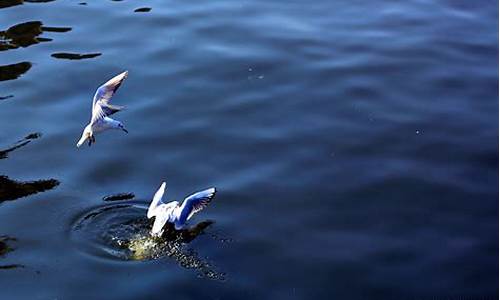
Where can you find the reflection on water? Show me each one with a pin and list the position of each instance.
(122, 231)
(9, 3)
(12, 189)
(6, 247)
(143, 9)
(10, 72)
(273, 101)
(119, 197)
(23, 142)
(26, 34)
(74, 56)
(6, 97)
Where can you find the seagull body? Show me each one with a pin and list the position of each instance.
(175, 212)
(102, 109)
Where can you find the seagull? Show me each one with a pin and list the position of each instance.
(175, 212)
(102, 109)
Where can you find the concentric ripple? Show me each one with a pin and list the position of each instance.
(121, 231)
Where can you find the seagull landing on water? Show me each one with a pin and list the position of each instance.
(102, 109)
(175, 212)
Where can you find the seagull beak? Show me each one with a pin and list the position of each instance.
(81, 141)
(126, 131)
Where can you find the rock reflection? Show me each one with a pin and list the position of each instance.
(119, 197)
(26, 34)
(143, 9)
(6, 97)
(10, 72)
(23, 142)
(9, 3)
(74, 56)
(12, 189)
(6, 247)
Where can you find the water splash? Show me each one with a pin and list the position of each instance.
(122, 232)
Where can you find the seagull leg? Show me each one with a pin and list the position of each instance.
(91, 140)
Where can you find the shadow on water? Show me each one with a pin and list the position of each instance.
(10, 72)
(122, 231)
(26, 34)
(12, 189)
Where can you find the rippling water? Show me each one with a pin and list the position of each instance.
(354, 145)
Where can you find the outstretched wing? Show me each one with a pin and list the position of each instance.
(156, 201)
(163, 214)
(196, 202)
(101, 106)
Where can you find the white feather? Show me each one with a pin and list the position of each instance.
(156, 200)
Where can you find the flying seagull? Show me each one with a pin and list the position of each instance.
(102, 109)
(175, 212)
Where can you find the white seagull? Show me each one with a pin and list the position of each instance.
(175, 212)
(102, 109)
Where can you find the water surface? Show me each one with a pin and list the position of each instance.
(354, 146)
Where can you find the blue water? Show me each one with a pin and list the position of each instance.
(354, 146)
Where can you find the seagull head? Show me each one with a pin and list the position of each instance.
(87, 134)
